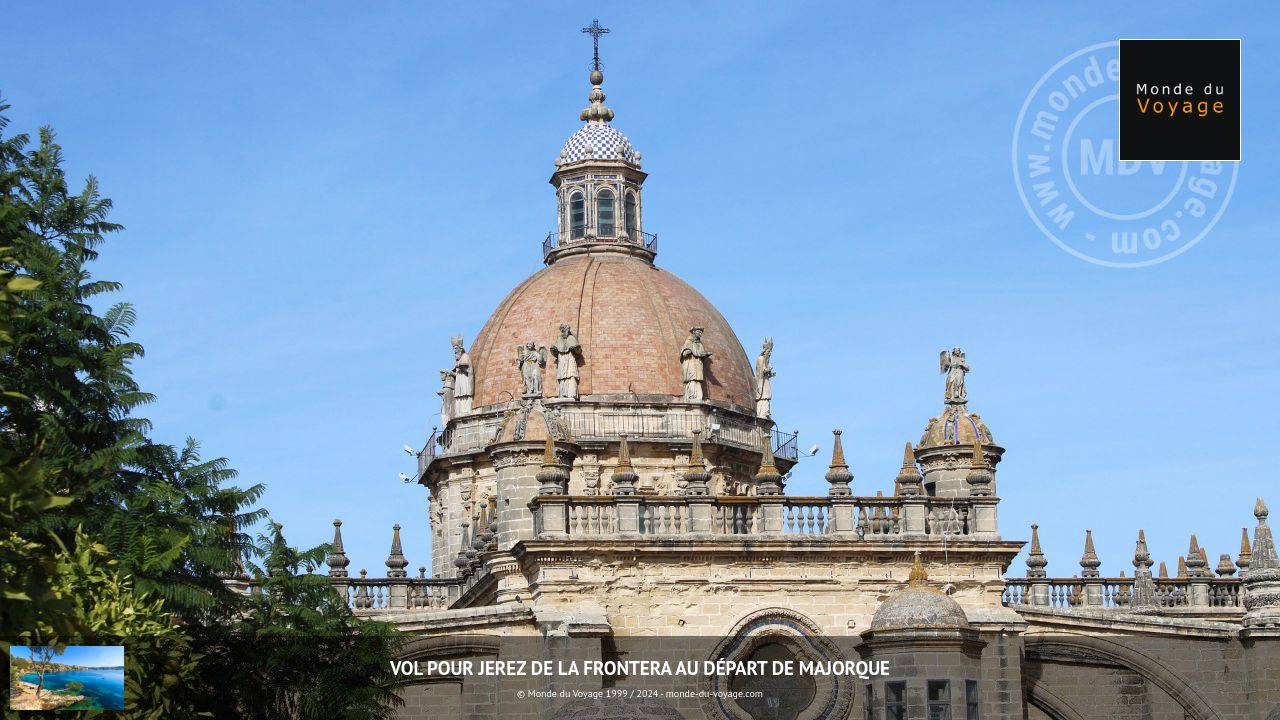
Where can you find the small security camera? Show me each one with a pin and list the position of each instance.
(410, 451)
(405, 478)
(814, 450)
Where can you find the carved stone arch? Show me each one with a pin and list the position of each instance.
(833, 694)
(1149, 667)
(422, 648)
(1049, 703)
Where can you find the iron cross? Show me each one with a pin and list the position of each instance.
(595, 31)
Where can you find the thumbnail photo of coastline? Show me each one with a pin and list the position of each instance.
(71, 677)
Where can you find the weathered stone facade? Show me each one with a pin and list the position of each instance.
(628, 520)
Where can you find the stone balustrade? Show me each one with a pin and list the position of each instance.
(862, 518)
(1117, 593)
(370, 595)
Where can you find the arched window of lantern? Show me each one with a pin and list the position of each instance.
(632, 216)
(577, 215)
(606, 214)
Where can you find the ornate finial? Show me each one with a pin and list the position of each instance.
(1036, 561)
(1182, 566)
(1089, 561)
(954, 366)
(1225, 568)
(395, 561)
(597, 111)
(768, 479)
(695, 471)
(552, 478)
(1197, 563)
(337, 560)
(909, 481)
(1264, 546)
(838, 474)
(979, 477)
(918, 577)
(1164, 570)
(1143, 596)
(1141, 557)
(624, 476)
(1246, 553)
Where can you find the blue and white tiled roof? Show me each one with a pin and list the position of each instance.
(598, 141)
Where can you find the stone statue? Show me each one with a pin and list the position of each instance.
(693, 359)
(463, 383)
(566, 350)
(764, 380)
(952, 363)
(531, 360)
(447, 379)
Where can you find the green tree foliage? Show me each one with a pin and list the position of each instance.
(106, 534)
(295, 619)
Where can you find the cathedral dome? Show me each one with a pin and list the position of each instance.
(919, 606)
(598, 141)
(631, 318)
(955, 426)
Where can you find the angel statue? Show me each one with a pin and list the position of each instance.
(764, 380)
(952, 363)
(531, 360)
(566, 350)
(463, 383)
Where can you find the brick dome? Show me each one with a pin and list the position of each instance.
(631, 319)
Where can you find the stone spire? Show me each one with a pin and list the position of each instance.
(838, 474)
(395, 560)
(1144, 589)
(337, 560)
(1196, 564)
(1036, 561)
(979, 477)
(909, 482)
(1164, 571)
(768, 479)
(1264, 547)
(918, 577)
(624, 476)
(552, 479)
(1262, 581)
(1089, 561)
(460, 561)
(1246, 553)
(695, 471)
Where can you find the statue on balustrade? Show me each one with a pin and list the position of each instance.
(565, 351)
(764, 380)
(447, 379)
(463, 383)
(693, 360)
(953, 364)
(531, 360)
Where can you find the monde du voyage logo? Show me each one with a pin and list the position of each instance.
(1124, 152)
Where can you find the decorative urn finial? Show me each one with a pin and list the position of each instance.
(838, 474)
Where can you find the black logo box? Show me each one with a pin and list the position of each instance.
(1186, 69)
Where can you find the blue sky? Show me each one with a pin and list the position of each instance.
(83, 655)
(318, 195)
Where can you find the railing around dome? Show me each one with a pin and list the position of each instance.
(869, 518)
(648, 241)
